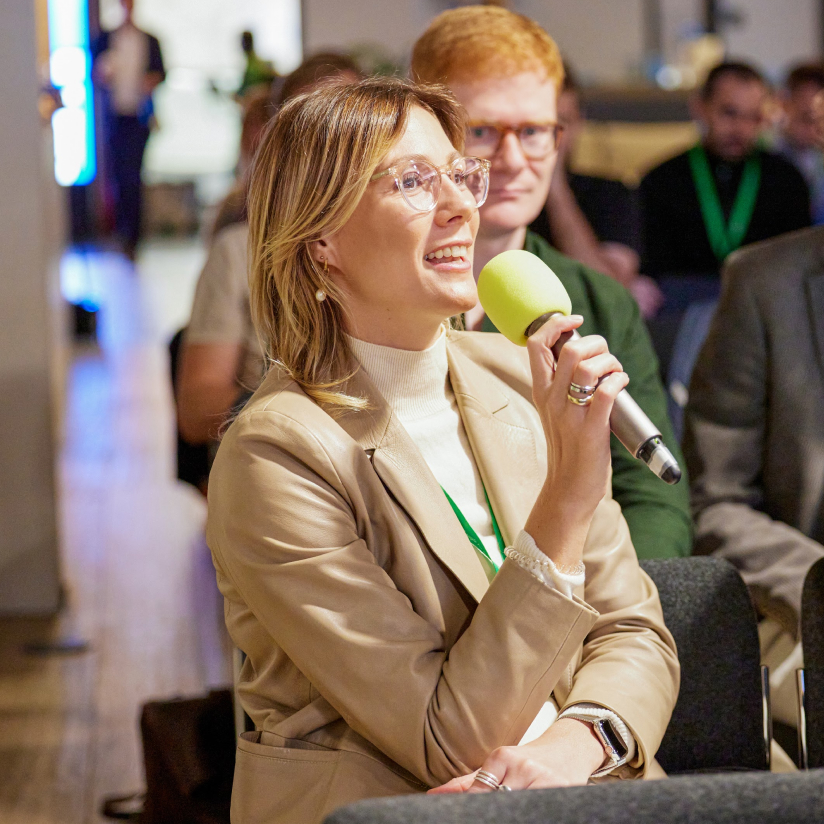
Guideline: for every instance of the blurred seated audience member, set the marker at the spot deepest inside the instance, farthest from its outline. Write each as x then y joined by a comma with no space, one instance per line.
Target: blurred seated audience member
221,362
257,73
314,70
754,429
594,219
726,191
256,113
259,109
506,70
799,138
220,359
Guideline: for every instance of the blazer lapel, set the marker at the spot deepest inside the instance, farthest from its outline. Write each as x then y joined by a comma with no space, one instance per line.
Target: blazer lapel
403,471
504,431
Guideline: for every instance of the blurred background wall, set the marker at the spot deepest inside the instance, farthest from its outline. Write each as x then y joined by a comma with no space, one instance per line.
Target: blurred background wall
30,331
608,41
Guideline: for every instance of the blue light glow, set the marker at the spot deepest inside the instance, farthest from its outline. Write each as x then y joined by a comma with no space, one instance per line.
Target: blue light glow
75,162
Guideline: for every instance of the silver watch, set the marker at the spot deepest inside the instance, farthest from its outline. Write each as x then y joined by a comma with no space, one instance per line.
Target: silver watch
614,747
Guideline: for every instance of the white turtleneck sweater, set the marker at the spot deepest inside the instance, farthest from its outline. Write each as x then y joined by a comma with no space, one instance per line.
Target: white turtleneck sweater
416,385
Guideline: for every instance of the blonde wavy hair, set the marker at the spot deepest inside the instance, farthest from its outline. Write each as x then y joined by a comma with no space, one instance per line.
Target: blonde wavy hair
311,169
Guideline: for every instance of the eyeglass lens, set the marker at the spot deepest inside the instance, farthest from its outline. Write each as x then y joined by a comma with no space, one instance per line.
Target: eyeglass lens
537,139
420,183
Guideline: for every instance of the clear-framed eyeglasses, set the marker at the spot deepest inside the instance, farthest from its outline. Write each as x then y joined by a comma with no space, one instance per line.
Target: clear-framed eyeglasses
537,139
420,182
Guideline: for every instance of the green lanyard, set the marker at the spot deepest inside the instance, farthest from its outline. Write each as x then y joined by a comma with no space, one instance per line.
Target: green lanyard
474,539
724,237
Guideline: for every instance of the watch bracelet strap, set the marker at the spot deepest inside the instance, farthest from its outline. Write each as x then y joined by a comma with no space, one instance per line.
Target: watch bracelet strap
613,762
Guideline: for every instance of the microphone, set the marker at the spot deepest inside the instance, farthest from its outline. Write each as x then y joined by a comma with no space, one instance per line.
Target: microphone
519,293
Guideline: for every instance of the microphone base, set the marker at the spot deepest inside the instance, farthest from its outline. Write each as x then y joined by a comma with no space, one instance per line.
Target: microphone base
660,460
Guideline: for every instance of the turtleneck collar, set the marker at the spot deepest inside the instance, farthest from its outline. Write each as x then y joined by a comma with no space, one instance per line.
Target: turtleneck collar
414,384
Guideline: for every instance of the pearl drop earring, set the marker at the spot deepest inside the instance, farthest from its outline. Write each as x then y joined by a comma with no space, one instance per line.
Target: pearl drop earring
320,295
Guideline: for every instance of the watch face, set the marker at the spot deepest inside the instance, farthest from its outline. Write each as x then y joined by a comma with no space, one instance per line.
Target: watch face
611,737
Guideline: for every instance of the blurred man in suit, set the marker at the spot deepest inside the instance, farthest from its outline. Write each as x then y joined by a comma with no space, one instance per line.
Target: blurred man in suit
754,437
754,426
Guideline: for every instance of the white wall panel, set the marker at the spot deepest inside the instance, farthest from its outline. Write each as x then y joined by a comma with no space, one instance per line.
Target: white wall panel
29,569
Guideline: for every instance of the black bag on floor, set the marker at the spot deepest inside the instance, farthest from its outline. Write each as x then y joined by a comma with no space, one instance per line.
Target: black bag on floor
189,755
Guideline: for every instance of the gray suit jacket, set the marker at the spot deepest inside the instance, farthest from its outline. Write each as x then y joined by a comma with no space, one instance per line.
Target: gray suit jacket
754,439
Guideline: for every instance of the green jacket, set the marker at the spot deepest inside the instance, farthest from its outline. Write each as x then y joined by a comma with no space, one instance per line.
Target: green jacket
658,514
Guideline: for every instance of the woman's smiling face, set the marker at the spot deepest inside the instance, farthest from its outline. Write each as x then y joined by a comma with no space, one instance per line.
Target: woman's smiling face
385,259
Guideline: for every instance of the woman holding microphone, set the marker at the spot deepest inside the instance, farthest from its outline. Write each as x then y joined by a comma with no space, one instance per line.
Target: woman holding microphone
423,566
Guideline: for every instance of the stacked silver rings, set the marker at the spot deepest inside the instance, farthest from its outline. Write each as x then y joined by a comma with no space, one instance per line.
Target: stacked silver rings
489,780
580,395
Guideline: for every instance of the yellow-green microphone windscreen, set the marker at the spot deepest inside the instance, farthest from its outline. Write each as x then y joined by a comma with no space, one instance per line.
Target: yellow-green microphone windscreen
515,288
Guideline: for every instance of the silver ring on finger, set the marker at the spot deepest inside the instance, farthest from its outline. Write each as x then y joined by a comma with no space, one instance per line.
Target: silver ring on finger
504,788
578,389
489,780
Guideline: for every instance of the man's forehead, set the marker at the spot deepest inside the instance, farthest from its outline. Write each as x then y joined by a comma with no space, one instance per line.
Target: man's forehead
731,87
806,91
516,98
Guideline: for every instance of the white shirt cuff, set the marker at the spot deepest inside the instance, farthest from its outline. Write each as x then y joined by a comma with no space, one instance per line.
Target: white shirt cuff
526,554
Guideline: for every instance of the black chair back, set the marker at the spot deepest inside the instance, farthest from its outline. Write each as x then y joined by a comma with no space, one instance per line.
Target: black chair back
812,639
742,798
718,721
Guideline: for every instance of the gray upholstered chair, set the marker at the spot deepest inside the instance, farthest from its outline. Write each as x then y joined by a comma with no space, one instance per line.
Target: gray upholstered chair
722,798
721,720
811,678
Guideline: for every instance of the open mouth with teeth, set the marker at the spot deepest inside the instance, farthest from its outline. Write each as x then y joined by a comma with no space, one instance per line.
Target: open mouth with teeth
447,253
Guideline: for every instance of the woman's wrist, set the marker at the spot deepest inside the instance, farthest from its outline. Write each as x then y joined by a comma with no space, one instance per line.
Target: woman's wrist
576,740
559,528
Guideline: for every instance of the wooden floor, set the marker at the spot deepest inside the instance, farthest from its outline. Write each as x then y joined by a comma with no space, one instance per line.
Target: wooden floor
139,584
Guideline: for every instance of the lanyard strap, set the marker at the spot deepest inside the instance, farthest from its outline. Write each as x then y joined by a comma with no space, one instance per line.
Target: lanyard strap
724,237
474,539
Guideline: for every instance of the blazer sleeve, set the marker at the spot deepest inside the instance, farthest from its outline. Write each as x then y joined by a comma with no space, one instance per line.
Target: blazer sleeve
283,528
724,441
629,662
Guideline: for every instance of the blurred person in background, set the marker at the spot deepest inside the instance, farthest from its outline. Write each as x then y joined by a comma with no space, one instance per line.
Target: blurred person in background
260,106
127,67
705,203
754,429
257,72
724,192
799,139
593,219
257,110
753,435
220,361
506,71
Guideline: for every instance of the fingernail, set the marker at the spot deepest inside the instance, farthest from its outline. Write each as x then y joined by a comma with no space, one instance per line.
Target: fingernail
577,317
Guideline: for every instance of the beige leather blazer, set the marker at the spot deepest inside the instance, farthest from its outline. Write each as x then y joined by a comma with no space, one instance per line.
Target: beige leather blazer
380,659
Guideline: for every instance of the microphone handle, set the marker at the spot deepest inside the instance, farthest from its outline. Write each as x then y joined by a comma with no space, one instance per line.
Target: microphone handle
628,422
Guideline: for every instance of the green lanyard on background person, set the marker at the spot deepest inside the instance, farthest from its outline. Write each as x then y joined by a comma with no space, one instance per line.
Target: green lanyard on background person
725,237
473,536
